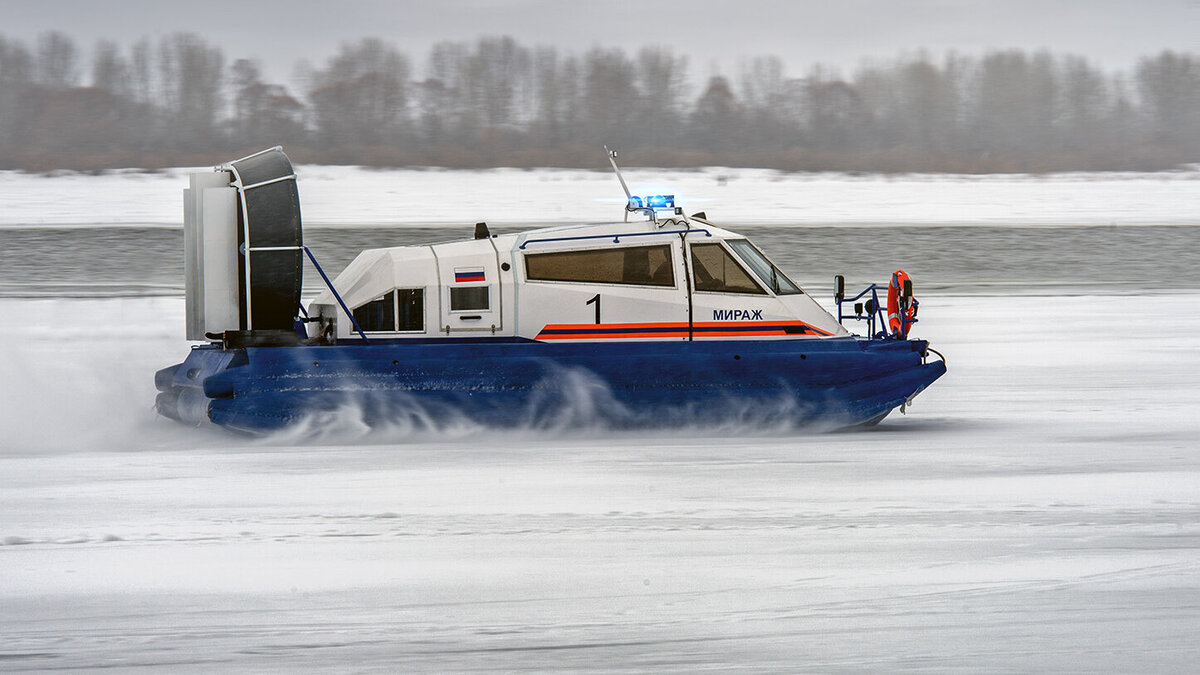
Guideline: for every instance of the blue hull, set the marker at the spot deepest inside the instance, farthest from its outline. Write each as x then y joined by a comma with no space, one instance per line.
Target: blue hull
831,382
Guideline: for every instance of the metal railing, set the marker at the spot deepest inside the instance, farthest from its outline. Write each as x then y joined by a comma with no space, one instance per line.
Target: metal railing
324,277
615,237
872,311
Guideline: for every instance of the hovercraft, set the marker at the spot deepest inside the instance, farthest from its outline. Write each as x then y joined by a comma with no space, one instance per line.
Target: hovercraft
664,320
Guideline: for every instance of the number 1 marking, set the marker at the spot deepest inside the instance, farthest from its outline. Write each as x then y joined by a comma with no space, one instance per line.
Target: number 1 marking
595,299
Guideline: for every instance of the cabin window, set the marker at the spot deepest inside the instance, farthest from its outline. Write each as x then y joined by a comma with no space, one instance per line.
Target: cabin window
715,270
470,298
766,270
636,265
401,310
378,314
410,306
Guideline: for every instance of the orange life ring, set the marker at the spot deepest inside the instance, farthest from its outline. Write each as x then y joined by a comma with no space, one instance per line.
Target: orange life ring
895,289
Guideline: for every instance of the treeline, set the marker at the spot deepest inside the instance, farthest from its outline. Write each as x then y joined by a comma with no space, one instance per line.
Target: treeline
494,102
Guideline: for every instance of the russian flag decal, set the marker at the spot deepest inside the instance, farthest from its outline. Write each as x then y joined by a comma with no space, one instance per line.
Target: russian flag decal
463,276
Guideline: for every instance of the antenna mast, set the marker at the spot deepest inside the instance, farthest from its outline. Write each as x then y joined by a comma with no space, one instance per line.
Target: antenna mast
632,204
612,159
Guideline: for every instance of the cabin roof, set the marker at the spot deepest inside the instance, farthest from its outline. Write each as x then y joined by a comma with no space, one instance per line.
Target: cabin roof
374,269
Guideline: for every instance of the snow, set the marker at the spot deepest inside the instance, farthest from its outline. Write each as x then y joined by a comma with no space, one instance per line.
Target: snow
340,195
1038,509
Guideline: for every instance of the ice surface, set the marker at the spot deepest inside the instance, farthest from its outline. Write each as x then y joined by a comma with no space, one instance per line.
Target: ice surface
339,195
1037,510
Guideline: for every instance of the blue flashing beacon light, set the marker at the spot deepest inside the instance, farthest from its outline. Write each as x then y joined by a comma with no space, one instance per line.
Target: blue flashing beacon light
654,202
661,202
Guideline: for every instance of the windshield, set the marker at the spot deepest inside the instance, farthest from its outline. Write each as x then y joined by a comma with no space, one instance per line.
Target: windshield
771,275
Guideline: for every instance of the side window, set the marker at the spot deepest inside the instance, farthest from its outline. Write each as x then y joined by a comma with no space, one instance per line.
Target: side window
770,275
401,310
471,298
411,305
715,270
635,265
377,315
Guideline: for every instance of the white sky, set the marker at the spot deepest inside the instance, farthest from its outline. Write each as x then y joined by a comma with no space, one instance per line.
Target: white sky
715,34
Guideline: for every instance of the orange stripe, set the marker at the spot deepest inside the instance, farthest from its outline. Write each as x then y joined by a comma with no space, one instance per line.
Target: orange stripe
585,330
567,326
676,324
605,336
580,336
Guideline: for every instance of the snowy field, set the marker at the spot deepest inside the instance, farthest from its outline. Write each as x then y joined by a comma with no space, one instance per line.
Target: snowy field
338,195
1037,510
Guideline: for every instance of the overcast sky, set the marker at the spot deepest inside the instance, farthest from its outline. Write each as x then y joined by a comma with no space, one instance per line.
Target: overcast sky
715,34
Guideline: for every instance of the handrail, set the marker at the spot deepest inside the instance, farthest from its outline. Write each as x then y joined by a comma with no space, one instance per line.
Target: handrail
615,237
870,316
873,289
324,277
253,155
329,285
269,181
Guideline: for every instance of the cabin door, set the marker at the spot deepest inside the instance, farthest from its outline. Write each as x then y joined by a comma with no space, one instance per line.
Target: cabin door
605,292
469,287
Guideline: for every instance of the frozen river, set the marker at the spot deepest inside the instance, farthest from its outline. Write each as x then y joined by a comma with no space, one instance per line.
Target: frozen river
1038,509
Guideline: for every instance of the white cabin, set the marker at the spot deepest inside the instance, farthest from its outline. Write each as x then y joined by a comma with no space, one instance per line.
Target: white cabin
604,282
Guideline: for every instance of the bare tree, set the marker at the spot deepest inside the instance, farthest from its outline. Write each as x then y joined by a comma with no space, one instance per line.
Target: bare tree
716,120
1015,103
494,101
547,125
263,113
498,79
191,79
141,72
609,97
361,97
837,114
662,81
1084,107
444,110
16,79
1170,88
57,65
16,64
110,70
771,118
